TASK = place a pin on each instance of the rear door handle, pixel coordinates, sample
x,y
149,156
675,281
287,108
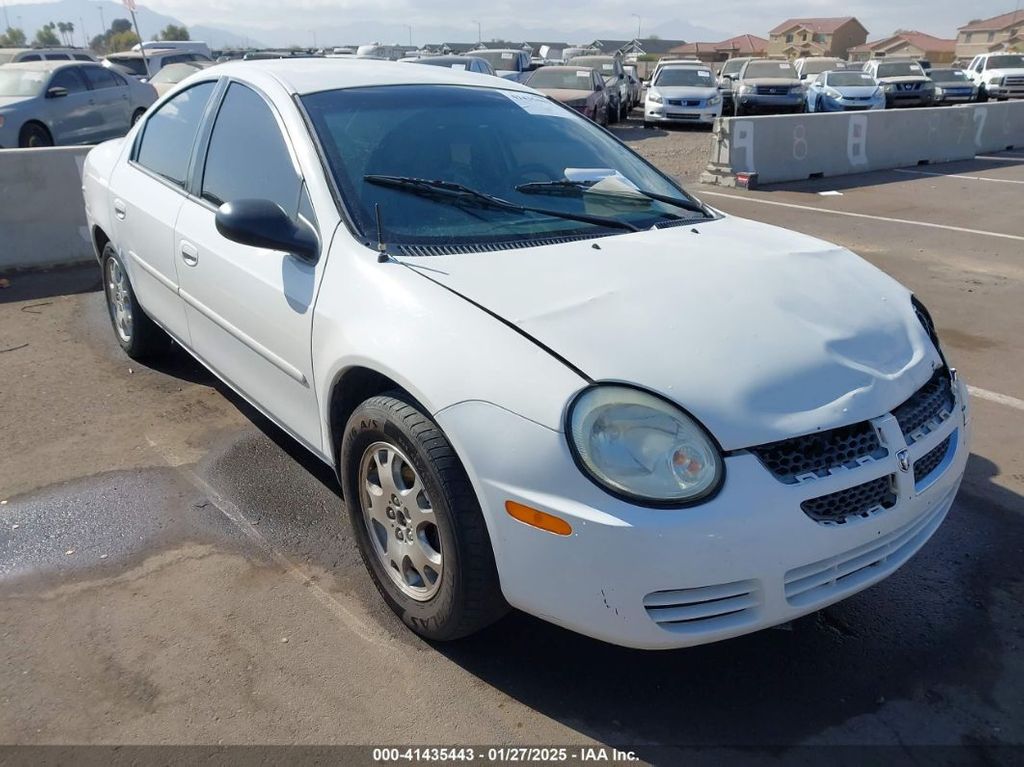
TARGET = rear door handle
x,y
189,253
120,210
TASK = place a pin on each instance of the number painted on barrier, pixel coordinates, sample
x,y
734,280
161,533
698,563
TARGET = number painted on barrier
x,y
980,116
799,142
857,140
743,141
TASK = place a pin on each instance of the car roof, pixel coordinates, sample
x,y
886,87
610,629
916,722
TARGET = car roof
x,y
683,63
565,68
303,76
49,66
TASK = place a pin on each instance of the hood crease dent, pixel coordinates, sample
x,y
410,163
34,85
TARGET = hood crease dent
x,y
762,334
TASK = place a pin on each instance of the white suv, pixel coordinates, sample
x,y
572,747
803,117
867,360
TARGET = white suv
x,y
998,75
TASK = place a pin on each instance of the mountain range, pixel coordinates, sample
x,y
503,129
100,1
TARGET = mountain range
x,y
87,15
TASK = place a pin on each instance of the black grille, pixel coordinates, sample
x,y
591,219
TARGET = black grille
x,y
926,465
820,453
930,406
857,501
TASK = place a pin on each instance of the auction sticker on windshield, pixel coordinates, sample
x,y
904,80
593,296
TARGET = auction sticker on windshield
x,y
537,105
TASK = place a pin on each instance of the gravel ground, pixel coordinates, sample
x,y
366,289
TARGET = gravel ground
x,y
681,151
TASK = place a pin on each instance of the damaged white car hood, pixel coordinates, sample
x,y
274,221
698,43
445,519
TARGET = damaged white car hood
x,y
759,332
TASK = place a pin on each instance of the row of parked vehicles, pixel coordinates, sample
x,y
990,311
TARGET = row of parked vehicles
x,y
688,91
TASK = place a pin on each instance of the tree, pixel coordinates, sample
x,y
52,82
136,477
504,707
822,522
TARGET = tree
x,y
122,41
66,29
13,38
174,32
117,26
46,36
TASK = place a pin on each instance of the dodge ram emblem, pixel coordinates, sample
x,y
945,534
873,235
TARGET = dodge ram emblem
x,y
903,457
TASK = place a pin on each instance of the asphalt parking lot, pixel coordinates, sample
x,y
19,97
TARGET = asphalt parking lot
x,y
174,570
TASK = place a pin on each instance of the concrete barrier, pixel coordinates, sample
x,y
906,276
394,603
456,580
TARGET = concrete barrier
x,y
42,217
795,147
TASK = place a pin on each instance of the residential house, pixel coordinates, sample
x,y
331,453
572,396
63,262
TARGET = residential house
x,y
795,38
1000,33
907,44
637,47
710,53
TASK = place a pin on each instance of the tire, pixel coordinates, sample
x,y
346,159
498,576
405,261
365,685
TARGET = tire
x,y
982,95
34,135
737,110
138,335
137,115
452,537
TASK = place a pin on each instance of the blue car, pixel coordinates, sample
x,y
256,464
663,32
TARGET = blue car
x,y
844,91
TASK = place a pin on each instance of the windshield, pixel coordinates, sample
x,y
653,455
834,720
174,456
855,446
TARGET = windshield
x,y
134,64
947,75
498,59
603,64
769,69
841,79
684,76
570,79
1006,62
817,67
174,73
488,140
733,66
900,69
22,82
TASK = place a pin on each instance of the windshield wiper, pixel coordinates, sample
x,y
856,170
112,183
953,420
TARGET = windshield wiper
x,y
449,189
580,187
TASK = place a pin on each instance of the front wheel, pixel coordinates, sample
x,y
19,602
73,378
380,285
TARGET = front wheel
x,y
982,95
137,116
33,136
417,521
138,335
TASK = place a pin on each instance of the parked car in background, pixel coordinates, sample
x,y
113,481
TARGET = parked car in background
x,y
467,63
727,76
998,76
844,91
635,86
614,76
173,74
682,93
451,319
49,103
579,88
953,86
509,63
144,66
24,55
811,66
904,82
767,86
182,46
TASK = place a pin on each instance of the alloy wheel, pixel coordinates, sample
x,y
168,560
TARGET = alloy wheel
x,y
119,300
400,520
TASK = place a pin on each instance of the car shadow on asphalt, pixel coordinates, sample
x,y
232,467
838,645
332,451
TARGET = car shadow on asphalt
x,y
933,626
38,285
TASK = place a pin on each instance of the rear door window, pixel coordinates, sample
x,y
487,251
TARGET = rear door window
x,y
99,77
69,79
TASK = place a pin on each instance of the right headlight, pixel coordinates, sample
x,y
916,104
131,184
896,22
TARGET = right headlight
x,y
642,448
654,97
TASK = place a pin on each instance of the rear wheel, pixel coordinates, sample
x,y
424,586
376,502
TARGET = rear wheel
x,y
417,521
34,135
137,115
139,336
982,95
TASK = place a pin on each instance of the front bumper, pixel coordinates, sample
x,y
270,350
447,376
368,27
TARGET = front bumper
x,y
656,579
670,113
755,102
849,105
898,99
965,97
1005,91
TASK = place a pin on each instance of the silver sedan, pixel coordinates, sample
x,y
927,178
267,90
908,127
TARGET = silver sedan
x,y
48,103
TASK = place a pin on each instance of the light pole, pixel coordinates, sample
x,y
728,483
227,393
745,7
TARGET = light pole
x,y
7,19
313,32
85,35
639,21
409,27
479,33
103,21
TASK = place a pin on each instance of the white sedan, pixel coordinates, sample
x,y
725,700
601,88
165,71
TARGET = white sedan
x,y
546,376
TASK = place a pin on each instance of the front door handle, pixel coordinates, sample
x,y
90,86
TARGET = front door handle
x,y
189,253
120,210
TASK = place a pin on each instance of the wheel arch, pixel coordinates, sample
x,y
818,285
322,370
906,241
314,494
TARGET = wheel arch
x,y
35,121
100,240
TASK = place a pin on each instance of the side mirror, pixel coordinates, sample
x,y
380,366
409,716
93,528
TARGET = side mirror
x,y
263,224
56,92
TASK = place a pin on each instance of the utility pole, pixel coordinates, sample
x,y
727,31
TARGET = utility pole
x,y
479,33
103,22
7,19
639,21
85,35
130,5
410,34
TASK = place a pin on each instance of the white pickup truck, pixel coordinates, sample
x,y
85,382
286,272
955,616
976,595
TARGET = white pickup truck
x,y
998,75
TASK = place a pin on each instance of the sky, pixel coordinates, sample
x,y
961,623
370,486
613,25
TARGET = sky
x,y
572,20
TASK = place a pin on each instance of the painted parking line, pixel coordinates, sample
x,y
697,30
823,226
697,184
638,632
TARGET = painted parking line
x,y
957,175
850,214
996,397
